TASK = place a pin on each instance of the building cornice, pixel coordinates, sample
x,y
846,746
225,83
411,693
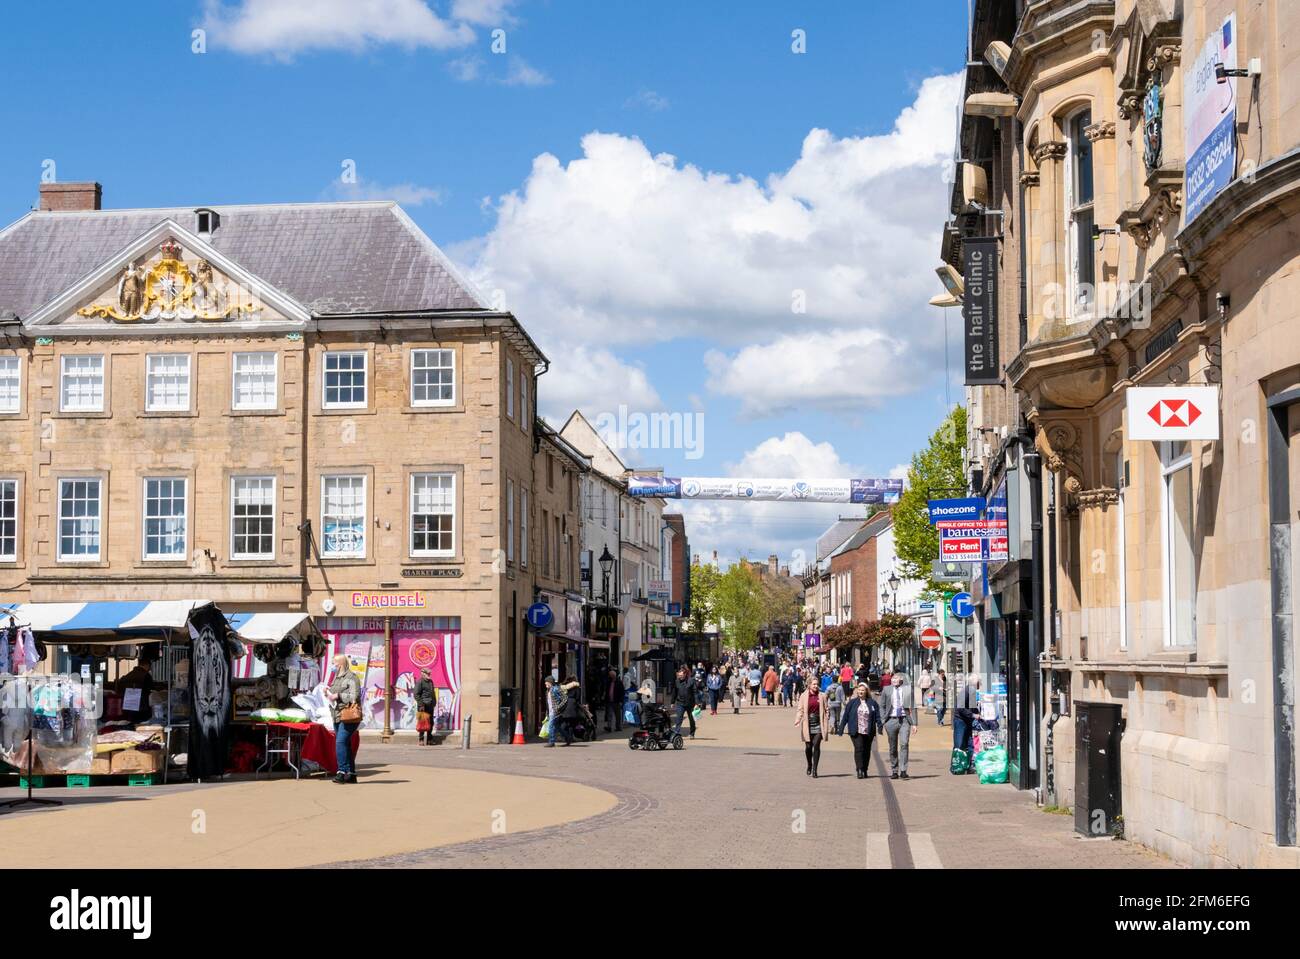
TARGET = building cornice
x,y
1048,26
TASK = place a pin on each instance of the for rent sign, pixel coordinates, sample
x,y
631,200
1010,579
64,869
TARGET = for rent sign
x,y
973,542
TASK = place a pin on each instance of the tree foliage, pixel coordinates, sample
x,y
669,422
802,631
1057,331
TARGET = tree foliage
x,y
740,606
704,596
892,631
938,471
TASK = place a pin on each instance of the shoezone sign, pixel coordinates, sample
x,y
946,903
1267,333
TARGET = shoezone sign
x,y
973,541
1173,412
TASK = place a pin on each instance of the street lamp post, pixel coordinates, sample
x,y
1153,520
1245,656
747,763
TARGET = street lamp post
x,y
606,564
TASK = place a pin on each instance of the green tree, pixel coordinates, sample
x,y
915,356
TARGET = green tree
x,y
938,470
704,596
739,606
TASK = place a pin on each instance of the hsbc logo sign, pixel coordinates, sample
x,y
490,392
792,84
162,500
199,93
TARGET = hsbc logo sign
x,y
1173,412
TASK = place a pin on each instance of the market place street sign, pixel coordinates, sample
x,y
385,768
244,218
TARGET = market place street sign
x,y
1173,412
979,310
979,541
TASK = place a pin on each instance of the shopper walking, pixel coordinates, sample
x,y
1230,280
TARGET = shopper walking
x,y
964,714
570,708
714,682
554,699
769,685
787,686
862,720
426,701
615,697
812,719
684,697
898,706
345,698
846,679
755,680
941,696
923,683
737,688
834,705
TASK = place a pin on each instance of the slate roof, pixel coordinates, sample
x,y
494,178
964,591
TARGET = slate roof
x,y
333,258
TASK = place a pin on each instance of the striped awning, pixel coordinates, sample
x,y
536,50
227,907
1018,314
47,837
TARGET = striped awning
x,y
271,627
106,621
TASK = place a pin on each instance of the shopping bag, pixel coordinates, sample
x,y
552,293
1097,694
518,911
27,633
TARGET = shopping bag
x,y
696,712
546,728
960,762
991,765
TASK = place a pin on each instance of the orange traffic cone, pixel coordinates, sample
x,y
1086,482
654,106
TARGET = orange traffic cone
x,y
519,729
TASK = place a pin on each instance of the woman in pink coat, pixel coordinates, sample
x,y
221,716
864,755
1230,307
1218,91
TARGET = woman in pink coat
x,y
813,719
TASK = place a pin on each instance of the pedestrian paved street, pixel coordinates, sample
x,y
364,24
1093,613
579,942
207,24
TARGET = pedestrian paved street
x,y
735,796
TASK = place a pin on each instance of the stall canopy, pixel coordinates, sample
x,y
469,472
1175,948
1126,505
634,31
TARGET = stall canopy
x,y
106,622
272,627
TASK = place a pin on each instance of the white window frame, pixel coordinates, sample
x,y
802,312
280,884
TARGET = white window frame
x,y
1169,468
510,521
11,381
9,492
270,403
235,482
87,373
325,378
1073,210
422,351
1121,534
361,523
184,388
145,517
98,518
411,514
523,527
523,400
510,388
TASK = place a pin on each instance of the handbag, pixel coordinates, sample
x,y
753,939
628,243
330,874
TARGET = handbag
x,y
422,722
350,713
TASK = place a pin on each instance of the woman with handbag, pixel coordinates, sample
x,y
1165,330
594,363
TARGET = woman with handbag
x,y
345,695
862,720
813,720
426,702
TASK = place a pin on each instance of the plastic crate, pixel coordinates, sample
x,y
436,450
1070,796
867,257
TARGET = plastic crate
x,y
78,782
38,782
142,779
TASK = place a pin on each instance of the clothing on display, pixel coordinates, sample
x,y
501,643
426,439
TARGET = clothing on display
x,y
209,692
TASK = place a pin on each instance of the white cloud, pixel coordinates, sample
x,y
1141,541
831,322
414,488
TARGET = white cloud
x,y
631,247
521,74
592,380
465,69
648,99
484,13
283,28
407,194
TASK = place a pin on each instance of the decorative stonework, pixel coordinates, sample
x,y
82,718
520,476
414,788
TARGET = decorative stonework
x,y
1129,105
1147,223
1099,498
1164,53
1060,446
1051,150
1102,130
1029,178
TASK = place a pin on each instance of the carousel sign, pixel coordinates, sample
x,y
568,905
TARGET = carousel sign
x,y
170,290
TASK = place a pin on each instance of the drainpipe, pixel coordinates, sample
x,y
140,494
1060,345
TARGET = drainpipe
x,y
1034,470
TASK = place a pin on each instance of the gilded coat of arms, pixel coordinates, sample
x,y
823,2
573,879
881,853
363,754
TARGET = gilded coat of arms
x,y
170,290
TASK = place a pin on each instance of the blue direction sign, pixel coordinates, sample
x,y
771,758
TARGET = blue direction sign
x,y
540,616
962,605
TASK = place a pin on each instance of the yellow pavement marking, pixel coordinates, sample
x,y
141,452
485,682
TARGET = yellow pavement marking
x,y
290,823
924,855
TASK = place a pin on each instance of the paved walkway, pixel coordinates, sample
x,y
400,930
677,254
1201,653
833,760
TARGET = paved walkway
x,y
737,795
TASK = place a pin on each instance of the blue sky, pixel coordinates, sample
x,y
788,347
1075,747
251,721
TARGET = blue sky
x,y
665,284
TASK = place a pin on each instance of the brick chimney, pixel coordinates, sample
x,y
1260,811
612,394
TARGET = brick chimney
x,y
772,562
71,196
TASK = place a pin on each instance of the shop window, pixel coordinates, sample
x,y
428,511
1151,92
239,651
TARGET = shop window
x,y
252,517
253,385
167,382
345,380
1080,218
433,377
8,520
343,516
81,384
165,518
433,514
10,384
79,516
1179,548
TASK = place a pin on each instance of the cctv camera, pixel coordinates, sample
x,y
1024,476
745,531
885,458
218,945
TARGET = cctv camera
x,y
997,54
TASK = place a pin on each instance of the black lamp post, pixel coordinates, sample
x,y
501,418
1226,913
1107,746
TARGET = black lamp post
x,y
606,565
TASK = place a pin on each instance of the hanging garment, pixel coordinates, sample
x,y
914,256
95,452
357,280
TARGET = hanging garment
x,y
4,650
210,693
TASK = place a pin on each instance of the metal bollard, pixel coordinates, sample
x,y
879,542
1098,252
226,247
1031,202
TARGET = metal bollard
x,y
465,730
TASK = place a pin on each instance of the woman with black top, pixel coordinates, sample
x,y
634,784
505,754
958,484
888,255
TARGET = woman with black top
x,y
813,721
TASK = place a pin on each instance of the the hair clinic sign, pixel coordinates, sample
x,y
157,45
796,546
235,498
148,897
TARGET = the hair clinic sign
x,y
979,310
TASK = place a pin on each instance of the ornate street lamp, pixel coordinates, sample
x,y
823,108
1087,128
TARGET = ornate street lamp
x,y
606,565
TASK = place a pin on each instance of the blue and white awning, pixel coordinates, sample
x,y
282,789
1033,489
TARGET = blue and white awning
x,y
105,621
271,627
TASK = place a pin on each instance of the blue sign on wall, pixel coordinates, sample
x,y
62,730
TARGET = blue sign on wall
x,y
540,616
966,508
674,609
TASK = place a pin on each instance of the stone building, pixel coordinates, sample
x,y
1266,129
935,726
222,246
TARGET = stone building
x,y
1160,152
280,407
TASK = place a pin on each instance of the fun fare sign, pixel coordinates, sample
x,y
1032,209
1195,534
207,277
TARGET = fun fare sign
x,y
1173,412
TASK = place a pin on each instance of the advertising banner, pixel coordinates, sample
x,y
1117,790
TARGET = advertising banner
x,y
979,310
973,542
1209,121
416,646
1172,412
779,490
